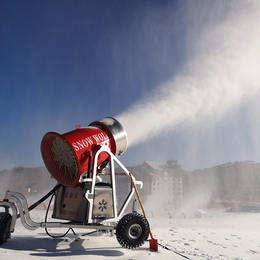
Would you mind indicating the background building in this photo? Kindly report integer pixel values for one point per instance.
(166, 186)
(162, 183)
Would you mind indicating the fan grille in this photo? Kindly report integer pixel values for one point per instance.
(59, 159)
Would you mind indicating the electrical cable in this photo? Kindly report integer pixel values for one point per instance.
(167, 248)
(46, 215)
(42, 199)
(89, 233)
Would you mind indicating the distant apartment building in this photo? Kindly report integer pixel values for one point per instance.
(230, 184)
(163, 181)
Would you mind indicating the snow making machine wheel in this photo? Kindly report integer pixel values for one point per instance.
(5, 223)
(132, 230)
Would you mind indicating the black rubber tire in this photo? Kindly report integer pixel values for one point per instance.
(5, 223)
(132, 230)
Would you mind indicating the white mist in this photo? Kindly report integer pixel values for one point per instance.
(221, 74)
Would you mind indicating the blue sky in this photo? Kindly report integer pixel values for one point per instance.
(65, 63)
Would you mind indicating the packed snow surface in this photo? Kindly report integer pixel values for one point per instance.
(218, 234)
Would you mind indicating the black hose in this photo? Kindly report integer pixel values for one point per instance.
(42, 199)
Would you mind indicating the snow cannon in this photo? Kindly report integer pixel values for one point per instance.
(85, 197)
(69, 156)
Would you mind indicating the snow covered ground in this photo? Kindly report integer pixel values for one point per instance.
(218, 235)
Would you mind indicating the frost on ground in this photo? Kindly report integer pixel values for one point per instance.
(218, 235)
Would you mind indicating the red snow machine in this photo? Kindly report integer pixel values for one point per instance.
(81, 198)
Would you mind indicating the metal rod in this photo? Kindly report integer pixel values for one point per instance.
(89, 163)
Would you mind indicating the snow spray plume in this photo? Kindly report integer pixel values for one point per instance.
(222, 73)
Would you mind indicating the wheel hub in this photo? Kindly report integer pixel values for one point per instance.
(135, 231)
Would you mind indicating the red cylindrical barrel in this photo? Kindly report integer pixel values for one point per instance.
(66, 156)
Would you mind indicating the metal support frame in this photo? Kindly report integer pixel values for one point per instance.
(108, 224)
(90, 194)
